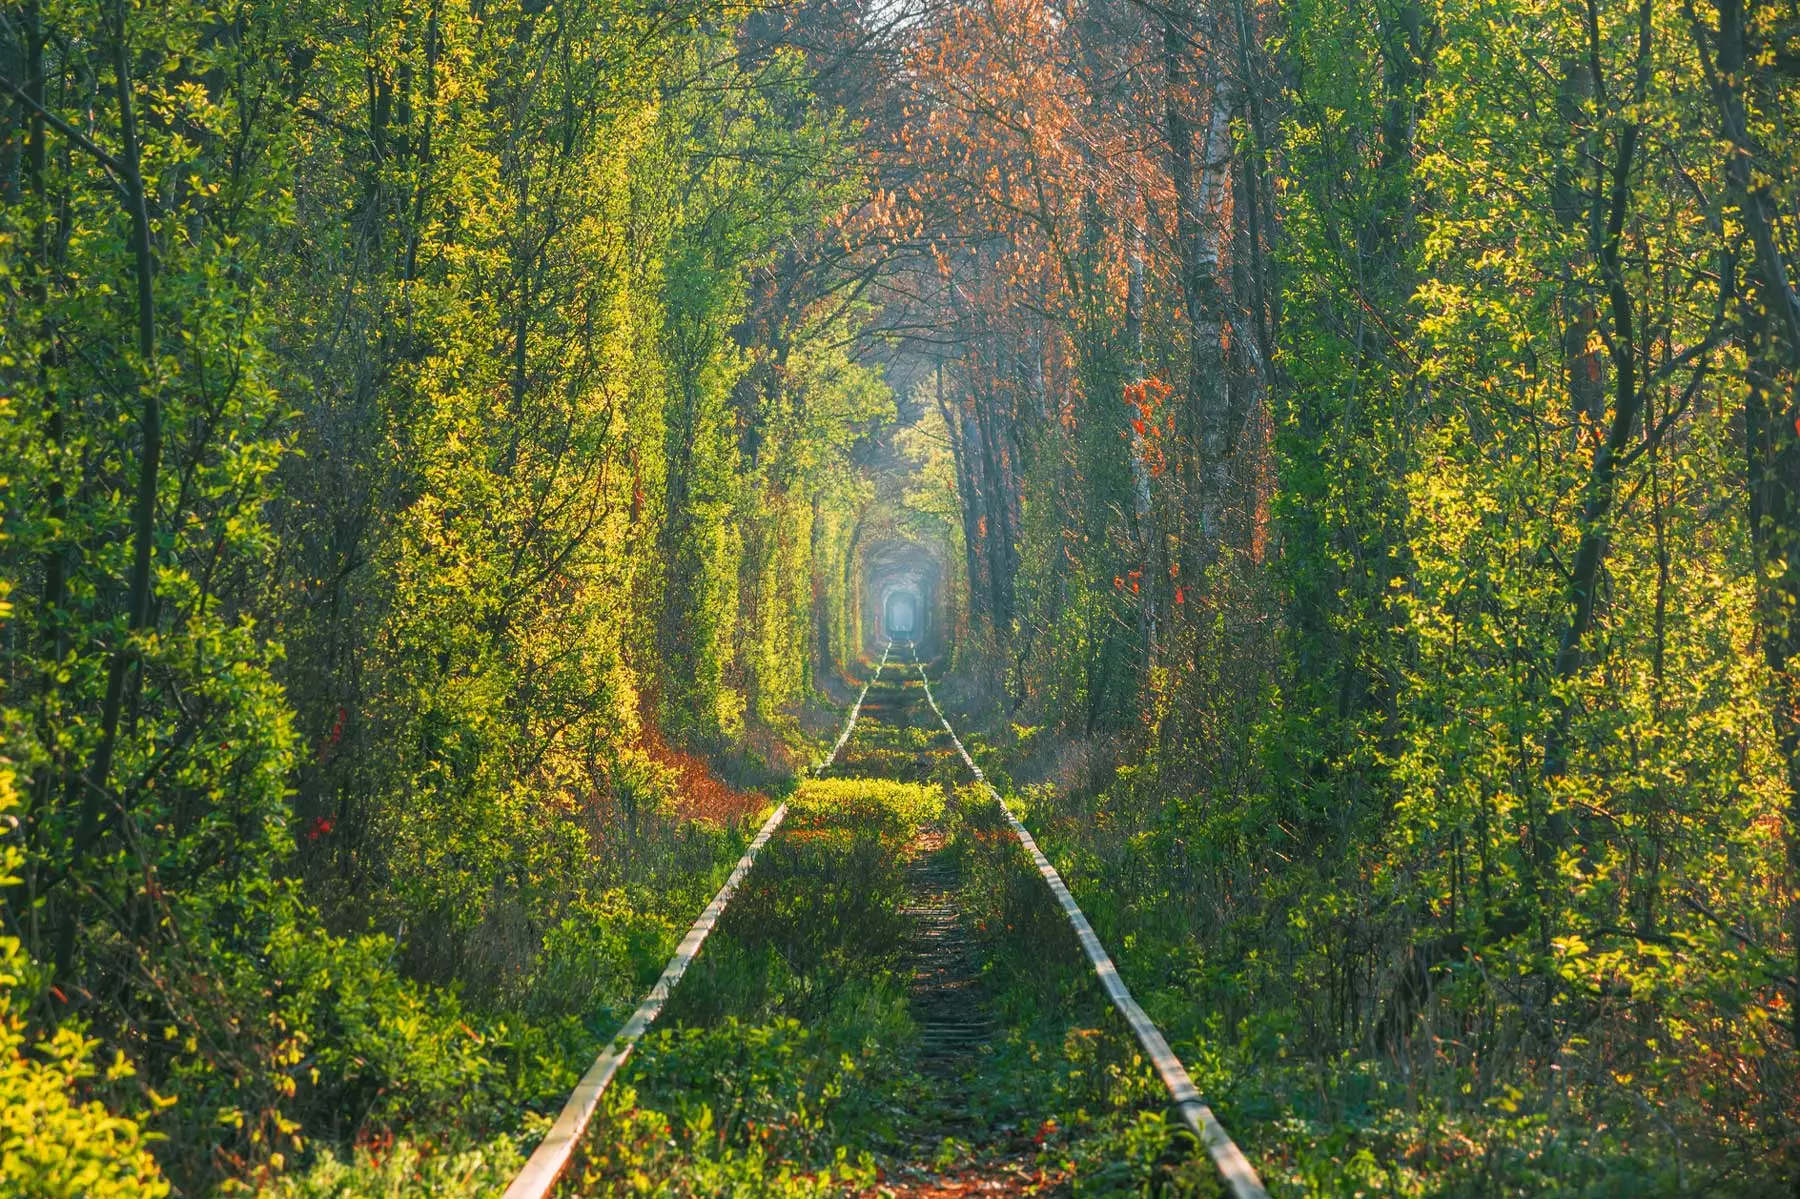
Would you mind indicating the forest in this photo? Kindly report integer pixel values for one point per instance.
(465, 463)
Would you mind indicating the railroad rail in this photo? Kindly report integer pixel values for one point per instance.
(1234, 1168)
(551, 1157)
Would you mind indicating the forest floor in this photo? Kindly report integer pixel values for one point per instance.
(890, 1009)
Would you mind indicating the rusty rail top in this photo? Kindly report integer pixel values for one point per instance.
(1239, 1176)
(551, 1157)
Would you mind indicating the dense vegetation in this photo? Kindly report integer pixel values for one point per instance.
(388, 472)
(442, 445)
(1382, 422)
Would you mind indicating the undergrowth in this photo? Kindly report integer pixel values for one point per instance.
(1065, 1058)
(1453, 1111)
(443, 1092)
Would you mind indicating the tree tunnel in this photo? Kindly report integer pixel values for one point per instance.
(903, 595)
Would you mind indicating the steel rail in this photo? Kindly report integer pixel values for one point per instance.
(1239, 1175)
(551, 1157)
(855, 711)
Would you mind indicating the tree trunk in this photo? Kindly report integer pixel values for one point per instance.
(1199, 231)
(1771, 319)
(969, 493)
(138, 591)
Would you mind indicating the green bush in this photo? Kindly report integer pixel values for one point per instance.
(890, 809)
(377, 1047)
(404, 1170)
(54, 1144)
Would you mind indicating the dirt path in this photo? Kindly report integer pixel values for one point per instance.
(951, 1006)
(1008, 1175)
(948, 1000)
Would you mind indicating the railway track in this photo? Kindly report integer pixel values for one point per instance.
(910, 739)
(949, 1002)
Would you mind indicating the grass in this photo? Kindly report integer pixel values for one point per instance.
(786, 1064)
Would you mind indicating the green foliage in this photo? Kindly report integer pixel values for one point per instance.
(772, 1089)
(55, 1144)
(1450, 821)
(1145, 1157)
(402, 1170)
(378, 1048)
(881, 808)
(786, 1044)
(425, 425)
(651, 1155)
(365, 819)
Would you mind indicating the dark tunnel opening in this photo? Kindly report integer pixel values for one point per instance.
(903, 597)
(901, 614)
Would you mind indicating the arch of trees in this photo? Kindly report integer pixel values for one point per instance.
(1348, 451)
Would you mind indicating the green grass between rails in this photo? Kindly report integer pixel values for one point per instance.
(784, 1066)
